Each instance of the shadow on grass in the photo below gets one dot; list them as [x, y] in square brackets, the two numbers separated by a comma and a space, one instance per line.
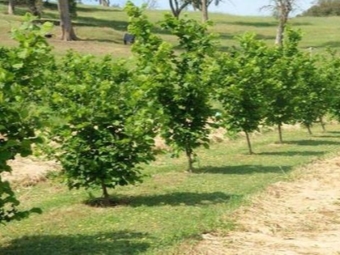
[172, 199]
[117, 243]
[292, 153]
[243, 169]
[181, 198]
[94, 22]
[312, 142]
[262, 23]
[252, 24]
[331, 44]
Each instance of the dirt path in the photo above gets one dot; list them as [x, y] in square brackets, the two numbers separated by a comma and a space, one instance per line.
[298, 217]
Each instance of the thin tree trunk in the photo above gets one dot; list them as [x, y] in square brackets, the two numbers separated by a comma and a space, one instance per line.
[280, 133]
[106, 195]
[322, 124]
[205, 16]
[309, 129]
[188, 152]
[11, 7]
[249, 143]
[279, 34]
[68, 33]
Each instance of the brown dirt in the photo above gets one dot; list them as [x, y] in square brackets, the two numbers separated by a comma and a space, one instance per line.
[29, 171]
[294, 217]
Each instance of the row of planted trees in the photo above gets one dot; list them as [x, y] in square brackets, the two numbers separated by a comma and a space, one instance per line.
[103, 116]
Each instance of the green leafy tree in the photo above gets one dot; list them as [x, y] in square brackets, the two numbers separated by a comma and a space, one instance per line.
[331, 69]
[316, 92]
[243, 77]
[104, 129]
[282, 97]
[182, 85]
[22, 78]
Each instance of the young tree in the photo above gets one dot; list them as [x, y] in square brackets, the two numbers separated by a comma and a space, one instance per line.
[283, 96]
[103, 124]
[22, 77]
[67, 30]
[316, 90]
[182, 85]
[242, 80]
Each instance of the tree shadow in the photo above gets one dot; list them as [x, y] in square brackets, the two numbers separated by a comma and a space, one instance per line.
[243, 169]
[94, 22]
[181, 198]
[118, 243]
[292, 153]
[312, 142]
[265, 37]
[331, 44]
[252, 23]
[172, 199]
[97, 9]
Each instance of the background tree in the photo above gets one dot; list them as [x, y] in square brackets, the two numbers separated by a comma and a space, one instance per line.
[177, 6]
[324, 8]
[203, 6]
[281, 10]
[11, 7]
[151, 4]
[67, 30]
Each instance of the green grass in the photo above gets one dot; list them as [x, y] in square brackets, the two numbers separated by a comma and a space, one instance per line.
[101, 30]
[170, 208]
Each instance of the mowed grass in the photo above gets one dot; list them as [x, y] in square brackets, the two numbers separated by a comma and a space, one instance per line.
[172, 208]
[101, 30]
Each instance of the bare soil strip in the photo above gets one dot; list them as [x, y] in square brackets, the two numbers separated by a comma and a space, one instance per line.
[289, 218]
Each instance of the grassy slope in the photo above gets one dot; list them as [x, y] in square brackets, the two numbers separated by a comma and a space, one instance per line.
[171, 206]
[101, 30]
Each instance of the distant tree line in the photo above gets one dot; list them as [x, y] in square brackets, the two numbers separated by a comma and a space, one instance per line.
[324, 8]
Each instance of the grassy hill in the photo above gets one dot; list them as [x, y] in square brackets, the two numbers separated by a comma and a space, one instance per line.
[101, 29]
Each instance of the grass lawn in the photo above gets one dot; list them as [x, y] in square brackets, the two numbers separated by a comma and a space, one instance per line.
[170, 208]
[101, 30]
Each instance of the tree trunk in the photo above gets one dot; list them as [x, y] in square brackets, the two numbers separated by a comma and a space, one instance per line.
[309, 130]
[322, 124]
[11, 7]
[205, 16]
[32, 5]
[65, 21]
[176, 8]
[284, 7]
[249, 144]
[106, 196]
[188, 152]
[106, 3]
[280, 133]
